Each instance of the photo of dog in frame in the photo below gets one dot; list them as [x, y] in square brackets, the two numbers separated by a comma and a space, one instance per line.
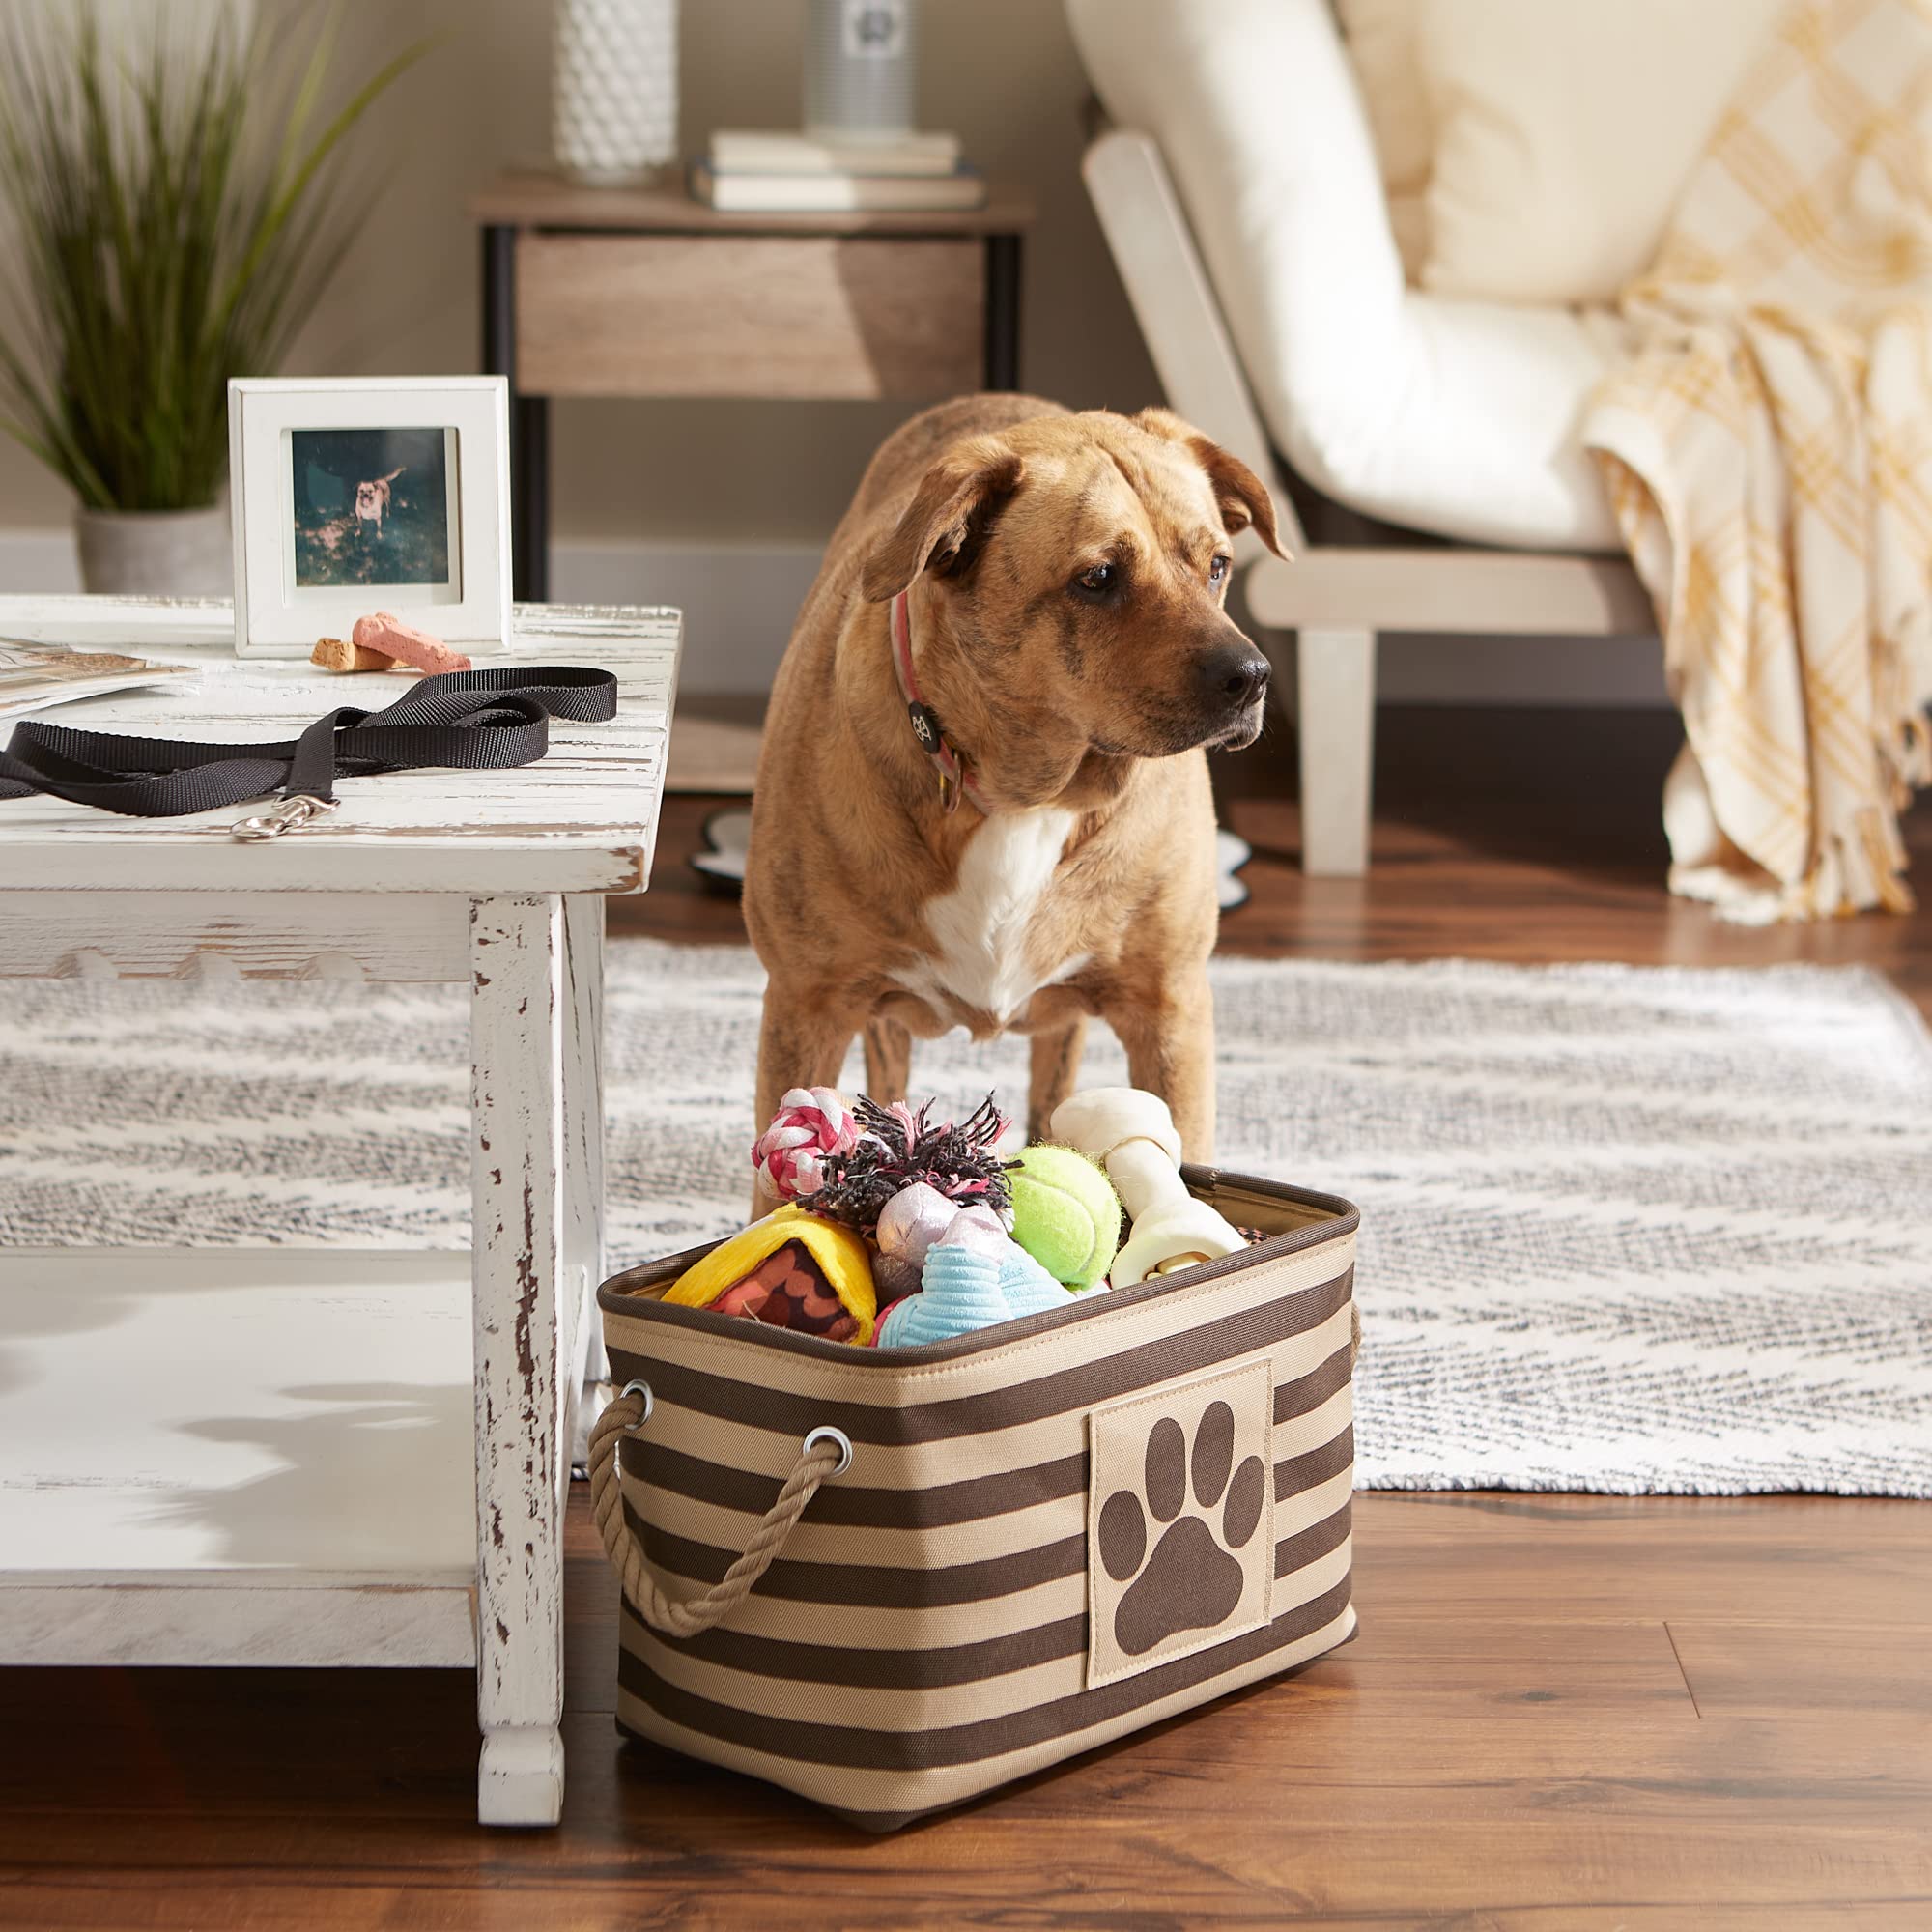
[371, 506]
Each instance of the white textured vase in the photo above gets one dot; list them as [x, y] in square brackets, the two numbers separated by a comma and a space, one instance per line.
[156, 553]
[614, 106]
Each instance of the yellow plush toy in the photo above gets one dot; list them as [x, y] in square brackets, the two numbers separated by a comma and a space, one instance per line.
[839, 1251]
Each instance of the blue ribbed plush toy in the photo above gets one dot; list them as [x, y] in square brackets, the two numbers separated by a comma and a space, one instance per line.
[1027, 1286]
[968, 1288]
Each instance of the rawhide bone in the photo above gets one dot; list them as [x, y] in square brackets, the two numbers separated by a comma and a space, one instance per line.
[1131, 1134]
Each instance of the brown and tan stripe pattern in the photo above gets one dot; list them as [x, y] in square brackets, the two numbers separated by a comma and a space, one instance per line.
[923, 1634]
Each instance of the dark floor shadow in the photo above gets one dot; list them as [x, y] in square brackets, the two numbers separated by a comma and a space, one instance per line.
[1577, 789]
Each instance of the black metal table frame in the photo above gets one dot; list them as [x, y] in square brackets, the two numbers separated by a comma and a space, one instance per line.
[529, 415]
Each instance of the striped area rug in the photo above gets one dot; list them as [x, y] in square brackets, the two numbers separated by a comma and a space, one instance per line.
[1624, 1229]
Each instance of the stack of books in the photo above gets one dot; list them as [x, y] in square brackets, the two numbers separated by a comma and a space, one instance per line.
[751, 172]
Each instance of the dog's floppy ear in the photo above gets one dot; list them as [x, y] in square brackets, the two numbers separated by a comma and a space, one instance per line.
[947, 518]
[1241, 495]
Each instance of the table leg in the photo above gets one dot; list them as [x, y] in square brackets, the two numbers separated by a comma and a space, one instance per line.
[529, 498]
[583, 1125]
[521, 1012]
[529, 422]
[1003, 311]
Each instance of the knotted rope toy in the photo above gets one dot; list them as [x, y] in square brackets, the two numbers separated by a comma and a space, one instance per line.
[812, 1126]
[898, 1145]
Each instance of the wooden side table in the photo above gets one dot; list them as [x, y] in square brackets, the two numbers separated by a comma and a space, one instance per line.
[646, 293]
[282, 1456]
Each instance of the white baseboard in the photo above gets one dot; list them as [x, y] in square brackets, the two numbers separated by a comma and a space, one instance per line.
[739, 600]
[39, 562]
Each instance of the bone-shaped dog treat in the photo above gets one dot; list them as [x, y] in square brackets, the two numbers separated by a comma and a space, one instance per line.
[1131, 1134]
[339, 654]
[386, 633]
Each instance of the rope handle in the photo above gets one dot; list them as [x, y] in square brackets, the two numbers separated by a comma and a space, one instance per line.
[825, 1454]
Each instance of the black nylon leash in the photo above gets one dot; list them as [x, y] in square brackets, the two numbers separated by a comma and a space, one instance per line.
[469, 720]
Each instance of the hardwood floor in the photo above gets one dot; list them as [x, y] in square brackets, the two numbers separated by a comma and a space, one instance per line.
[1606, 1714]
[1500, 834]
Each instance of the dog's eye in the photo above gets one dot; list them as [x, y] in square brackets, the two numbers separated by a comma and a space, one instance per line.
[1098, 581]
[1218, 571]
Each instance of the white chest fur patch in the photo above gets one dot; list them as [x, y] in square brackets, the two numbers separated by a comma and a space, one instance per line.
[980, 927]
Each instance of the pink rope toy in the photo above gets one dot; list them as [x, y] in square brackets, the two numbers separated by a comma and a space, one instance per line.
[812, 1126]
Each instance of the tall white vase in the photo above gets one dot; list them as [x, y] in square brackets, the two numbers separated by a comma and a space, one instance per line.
[614, 103]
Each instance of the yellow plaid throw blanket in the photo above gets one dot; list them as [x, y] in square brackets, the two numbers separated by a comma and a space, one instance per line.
[1768, 448]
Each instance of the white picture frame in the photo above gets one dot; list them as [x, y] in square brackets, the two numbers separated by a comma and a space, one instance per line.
[316, 547]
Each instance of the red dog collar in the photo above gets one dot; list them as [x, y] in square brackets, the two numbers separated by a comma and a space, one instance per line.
[955, 774]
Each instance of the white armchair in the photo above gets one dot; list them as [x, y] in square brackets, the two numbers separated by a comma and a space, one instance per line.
[1238, 190]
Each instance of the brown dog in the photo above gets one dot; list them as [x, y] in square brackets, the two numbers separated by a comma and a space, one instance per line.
[1063, 580]
[372, 499]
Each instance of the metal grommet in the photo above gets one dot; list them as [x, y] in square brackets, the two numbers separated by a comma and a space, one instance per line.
[825, 1433]
[643, 1389]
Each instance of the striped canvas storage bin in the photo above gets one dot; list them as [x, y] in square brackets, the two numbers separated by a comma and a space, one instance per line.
[891, 1579]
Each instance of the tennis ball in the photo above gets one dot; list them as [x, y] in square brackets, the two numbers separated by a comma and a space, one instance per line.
[1065, 1213]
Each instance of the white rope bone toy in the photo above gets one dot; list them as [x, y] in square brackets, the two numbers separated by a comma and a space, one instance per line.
[1131, 1134]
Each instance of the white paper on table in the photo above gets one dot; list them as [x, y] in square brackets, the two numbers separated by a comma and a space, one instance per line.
[33, 676]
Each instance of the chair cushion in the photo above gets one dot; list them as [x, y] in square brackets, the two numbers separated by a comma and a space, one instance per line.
[1457, 417]
[1381, 40]
[1381, 36]
[1478, 435]
[1564, 134]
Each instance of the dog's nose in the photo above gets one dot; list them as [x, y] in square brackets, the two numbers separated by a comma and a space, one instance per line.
[1233, 677]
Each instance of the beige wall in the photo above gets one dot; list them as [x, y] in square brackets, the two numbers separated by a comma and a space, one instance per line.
[1002, 72]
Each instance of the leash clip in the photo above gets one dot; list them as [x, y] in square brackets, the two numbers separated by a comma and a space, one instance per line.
[291, 814]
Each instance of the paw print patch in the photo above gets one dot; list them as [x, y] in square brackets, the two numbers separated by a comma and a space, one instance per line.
[1179, 1550]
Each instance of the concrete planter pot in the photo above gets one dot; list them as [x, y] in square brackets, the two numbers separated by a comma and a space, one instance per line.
[156, 553]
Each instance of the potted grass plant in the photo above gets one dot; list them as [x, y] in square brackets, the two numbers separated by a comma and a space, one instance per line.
[178, 200]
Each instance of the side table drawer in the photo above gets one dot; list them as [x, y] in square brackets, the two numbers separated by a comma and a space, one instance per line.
[807, 316]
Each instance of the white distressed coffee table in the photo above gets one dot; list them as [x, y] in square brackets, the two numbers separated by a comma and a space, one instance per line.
[331, 1456]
